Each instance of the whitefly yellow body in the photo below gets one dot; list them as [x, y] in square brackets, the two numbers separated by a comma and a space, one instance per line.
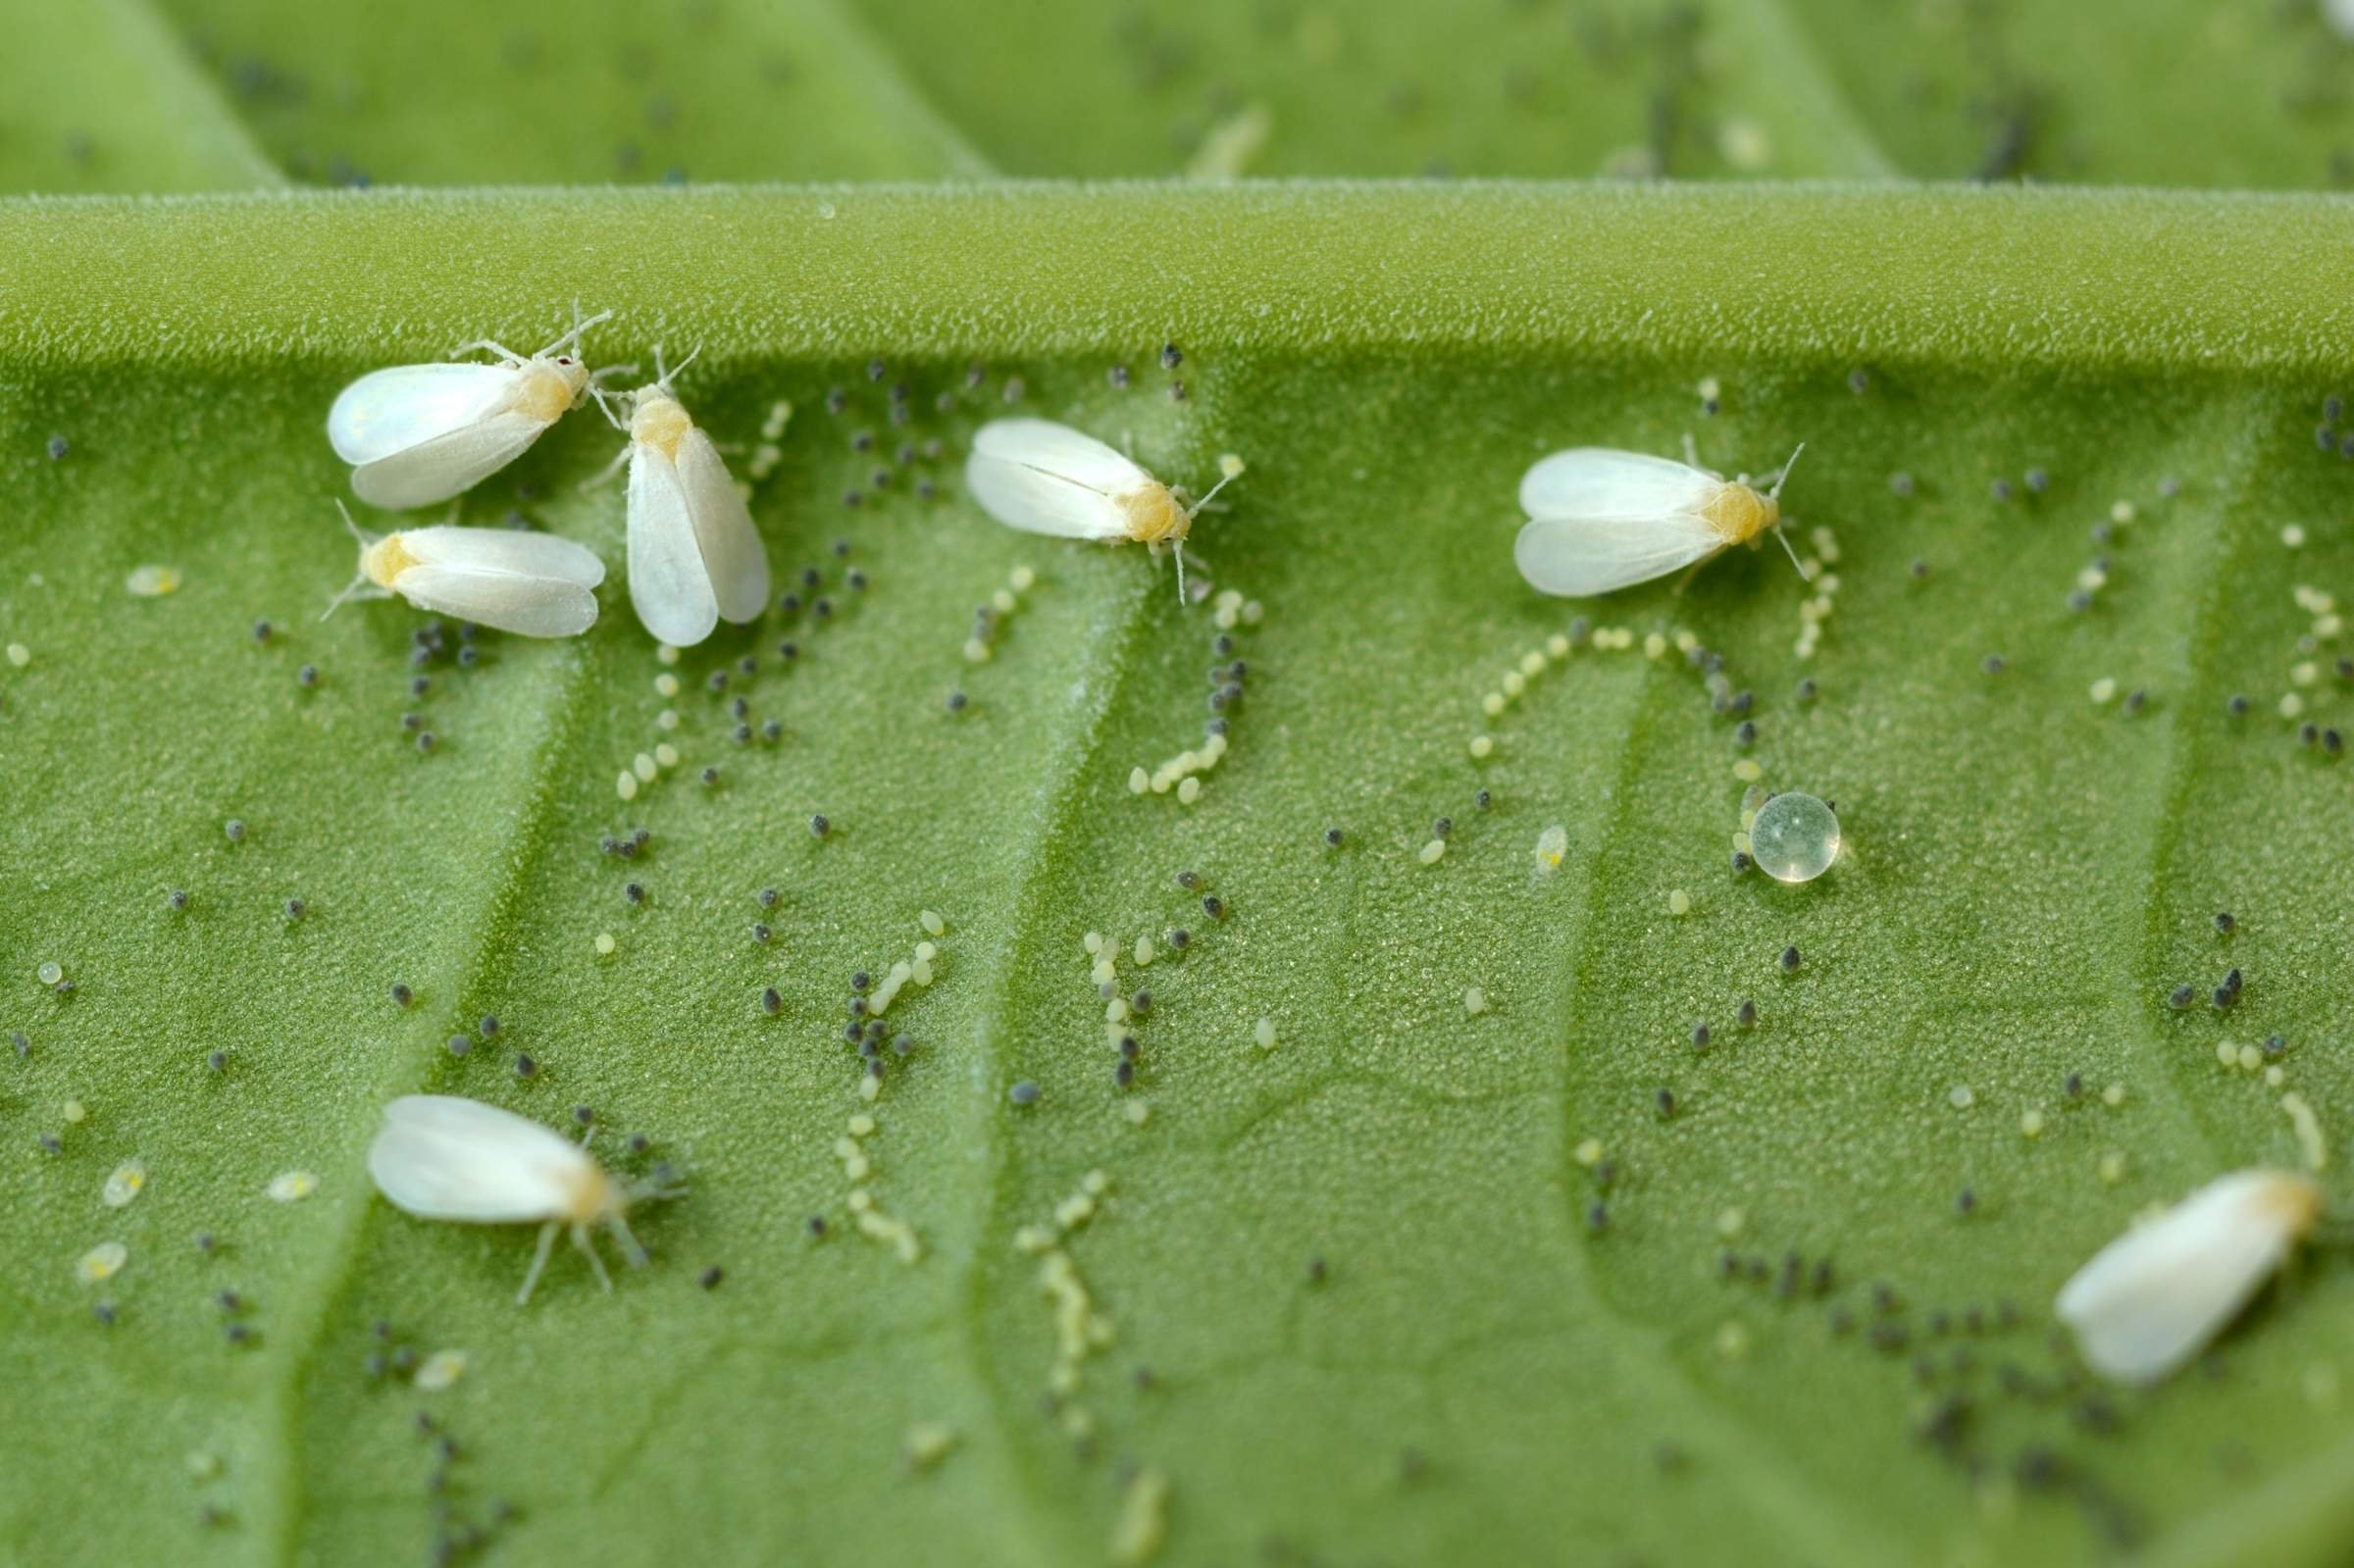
[696, 559]
[1045, 478]
[420, 434]
[441, 1157]
[533, 584]
[2155, 1296]
[1601, 520]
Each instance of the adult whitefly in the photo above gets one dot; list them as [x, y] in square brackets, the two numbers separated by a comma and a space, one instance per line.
[533, 584]
[420, 434]
[2154, 1297]
[1601, 520]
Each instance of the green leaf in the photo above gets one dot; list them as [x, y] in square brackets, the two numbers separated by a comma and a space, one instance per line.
[1360, 1268]
[2179, 92]
[101, 97]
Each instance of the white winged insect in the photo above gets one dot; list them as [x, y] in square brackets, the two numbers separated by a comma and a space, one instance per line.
[1602, 520]
[694, 557]
[441, 1157]
[2151, 1300]
[420, 434]
[533, 584]
[1046, 478]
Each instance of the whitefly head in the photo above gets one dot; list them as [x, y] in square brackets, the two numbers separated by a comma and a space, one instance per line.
[652, 416]
[553, 381]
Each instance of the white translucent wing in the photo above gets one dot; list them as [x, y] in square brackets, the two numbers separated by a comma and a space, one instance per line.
[1050, 478]
[535, 556]
[732, 556]
[448, 465]
[2152, 1298]
[389, 411]
[1059, 449]
[669, 587]
[1574, 557]
[528, 607]
[1597, 481]
[445, 1158]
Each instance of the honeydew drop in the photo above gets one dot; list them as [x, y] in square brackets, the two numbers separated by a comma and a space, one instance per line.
[1795, 838]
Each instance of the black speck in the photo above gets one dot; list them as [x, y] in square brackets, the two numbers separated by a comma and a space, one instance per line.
[770, 1003]
[1790, 960]
[709, 1279]
[819, 827]
[1332, 837]
[2224, 923]
[525, 1067]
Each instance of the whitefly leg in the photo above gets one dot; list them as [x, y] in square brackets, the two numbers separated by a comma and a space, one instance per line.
[547, 1239]
[581, 1240]
[628, 1242]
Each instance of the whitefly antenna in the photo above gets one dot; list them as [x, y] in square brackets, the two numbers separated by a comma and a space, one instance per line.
[662, 377]
[359, 578]
[572, 339]
[1775, 494]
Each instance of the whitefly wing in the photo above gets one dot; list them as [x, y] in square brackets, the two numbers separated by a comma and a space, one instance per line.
[2151, 1300]
[1046, 478]
[448, 465]
[669, 587]
[527, 606]
[511, 550]
[732, 556]
[389, 411]
[1575, 557]
[1595, 481]
[444, 1159]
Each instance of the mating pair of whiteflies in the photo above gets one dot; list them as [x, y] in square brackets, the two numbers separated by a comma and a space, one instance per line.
[418, 434]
